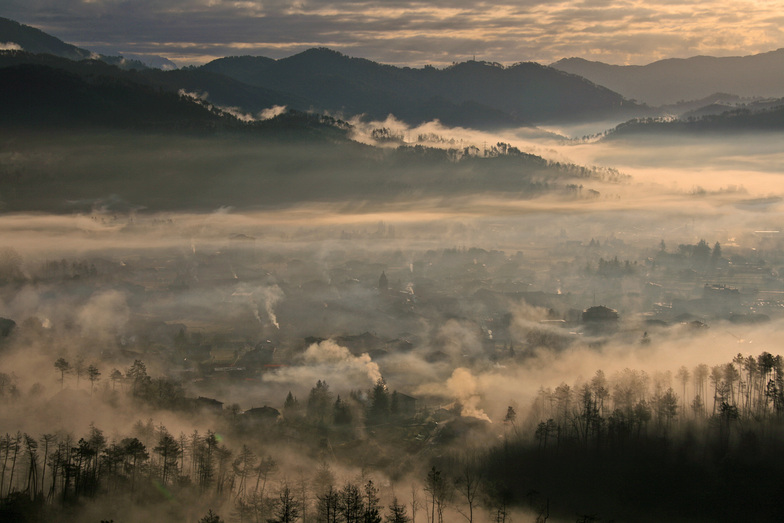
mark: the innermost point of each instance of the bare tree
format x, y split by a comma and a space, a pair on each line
436, 487
243, 466
683, 376
467, 484
31, 448
47, 440
414, 503
13, 445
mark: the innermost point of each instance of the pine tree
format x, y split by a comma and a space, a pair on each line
397, 513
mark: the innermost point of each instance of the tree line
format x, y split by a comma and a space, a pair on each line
42, 474
748, 391
700, 444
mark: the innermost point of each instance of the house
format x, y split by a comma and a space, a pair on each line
262, 415
600, 313
208, 404
404, 404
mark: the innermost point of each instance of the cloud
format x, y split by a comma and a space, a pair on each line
272, 112
10, 46
415, 33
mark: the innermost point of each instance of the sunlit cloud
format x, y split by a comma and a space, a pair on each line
415, 33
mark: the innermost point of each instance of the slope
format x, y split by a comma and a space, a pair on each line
669, 81
523, 93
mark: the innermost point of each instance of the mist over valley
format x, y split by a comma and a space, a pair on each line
321, 288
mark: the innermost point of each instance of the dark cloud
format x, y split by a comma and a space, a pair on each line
392, 32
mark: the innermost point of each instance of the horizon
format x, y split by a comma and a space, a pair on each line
472, 58
410, 34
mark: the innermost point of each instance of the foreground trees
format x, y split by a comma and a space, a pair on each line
710, 433
633, 404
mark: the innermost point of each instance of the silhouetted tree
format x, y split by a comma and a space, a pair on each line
79, 369
115, 376
169, 451
327, 504
137, 374
291, 407
287, 507
397, 513
63, 366
135, 454
350, 503
319, 402
342, 413
211, 517
436, 488
243, 466
467, 484
700, 375
379, 402
372, 510
93, 374
683, 376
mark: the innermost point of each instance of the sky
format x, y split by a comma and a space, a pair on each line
413, 33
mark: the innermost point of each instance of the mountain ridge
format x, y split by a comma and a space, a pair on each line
671, 80
525, 93
470, 94
33, 40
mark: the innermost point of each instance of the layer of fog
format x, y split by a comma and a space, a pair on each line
191, 244
240, 278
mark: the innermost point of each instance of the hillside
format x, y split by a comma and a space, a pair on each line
706, 122
470, 94
525, 93
291, 159
37, 97
672, 80
22, 37
221, 90
35, 41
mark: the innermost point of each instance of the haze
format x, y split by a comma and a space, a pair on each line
217, 305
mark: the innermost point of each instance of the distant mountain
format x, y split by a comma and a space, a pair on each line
153, 61
472, 94
703, 104
221, 90
33, 40
672, 80
16, 36
37, 96
765, 118
246, 69
47, 93
488, 94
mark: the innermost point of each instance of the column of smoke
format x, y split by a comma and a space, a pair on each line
266, 297
333, 363
464, 387
270, 297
